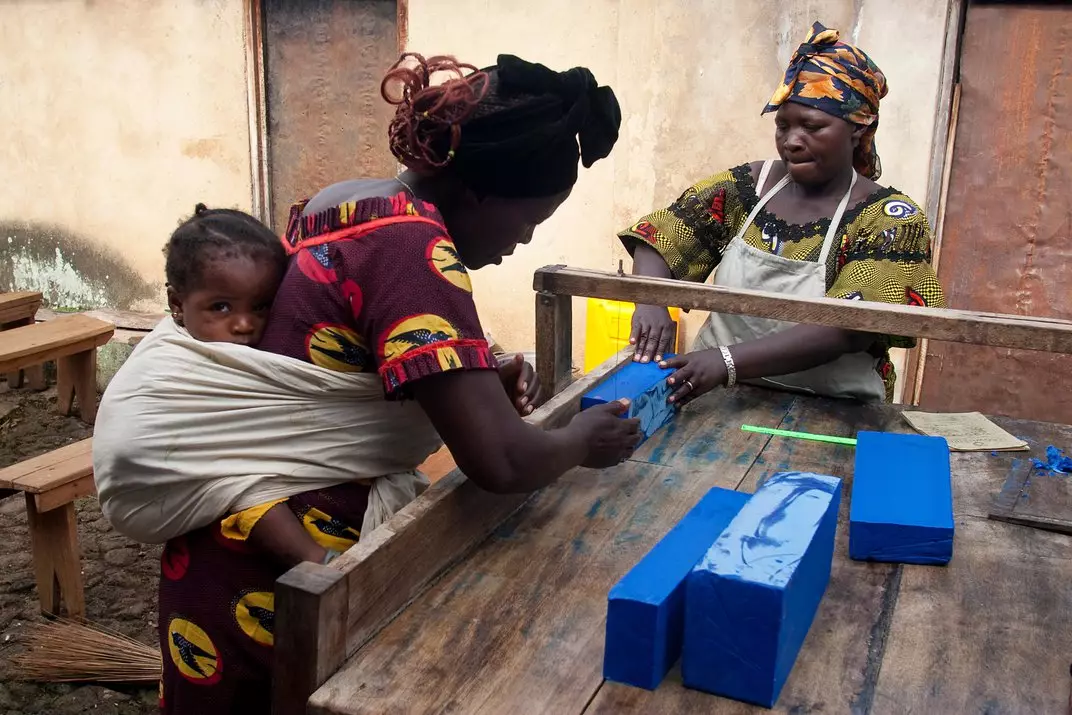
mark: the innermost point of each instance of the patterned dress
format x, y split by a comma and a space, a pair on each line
395, 300
884, 251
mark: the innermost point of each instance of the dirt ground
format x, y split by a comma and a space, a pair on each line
119, 575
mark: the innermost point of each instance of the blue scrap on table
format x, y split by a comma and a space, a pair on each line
644, 385
1056, 461
751, 599
646, 609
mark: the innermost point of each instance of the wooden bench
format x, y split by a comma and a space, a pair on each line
70, 340
51, 483
16, 310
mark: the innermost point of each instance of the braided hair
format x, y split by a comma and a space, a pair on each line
513, 130
217, 233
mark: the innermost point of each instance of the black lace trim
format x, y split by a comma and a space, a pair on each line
794, 232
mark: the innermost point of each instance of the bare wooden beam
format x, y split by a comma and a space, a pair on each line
554, 341
393, 565
310, 634
959, 326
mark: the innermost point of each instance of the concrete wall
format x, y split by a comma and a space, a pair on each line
692, 77
118, 117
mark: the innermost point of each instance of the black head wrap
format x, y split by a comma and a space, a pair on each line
526, 136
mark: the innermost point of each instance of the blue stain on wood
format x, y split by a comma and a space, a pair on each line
751, 599
646, 609
902, 500
644, 385
594, 509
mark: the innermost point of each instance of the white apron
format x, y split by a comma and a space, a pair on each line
744, 266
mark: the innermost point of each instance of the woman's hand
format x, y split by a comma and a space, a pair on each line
652, 334
521, 383
609, 438
696, 373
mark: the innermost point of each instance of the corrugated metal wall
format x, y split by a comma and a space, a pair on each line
1007, 244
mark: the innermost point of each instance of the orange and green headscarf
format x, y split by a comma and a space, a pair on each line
839, 79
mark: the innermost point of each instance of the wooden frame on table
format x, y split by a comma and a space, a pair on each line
324, 614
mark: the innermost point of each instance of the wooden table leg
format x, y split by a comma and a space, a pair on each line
76, 377
56, 558
14, 379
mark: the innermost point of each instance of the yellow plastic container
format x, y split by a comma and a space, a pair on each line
607, 328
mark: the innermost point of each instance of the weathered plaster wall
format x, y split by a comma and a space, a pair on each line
118, 117
692, 76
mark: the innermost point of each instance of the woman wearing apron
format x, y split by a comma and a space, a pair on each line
813, 223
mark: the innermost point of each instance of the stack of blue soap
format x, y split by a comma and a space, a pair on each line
644, 385
902, 500
733, 589
646, 609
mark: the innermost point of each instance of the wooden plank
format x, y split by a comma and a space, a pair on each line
1034, 498
310, 637
35, 344
554, 341
979, 476
14, 477
849, 629
121, 319
19, 305
987, 633
387, 569
1010, 331
56, 559
65, 494
519, 624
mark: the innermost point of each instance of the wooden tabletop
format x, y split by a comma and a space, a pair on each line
517, 627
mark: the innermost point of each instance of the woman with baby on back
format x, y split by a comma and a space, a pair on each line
369, 355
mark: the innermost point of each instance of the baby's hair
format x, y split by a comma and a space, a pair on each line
216, 233
426, 128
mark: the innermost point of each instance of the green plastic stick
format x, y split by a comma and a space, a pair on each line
800, 435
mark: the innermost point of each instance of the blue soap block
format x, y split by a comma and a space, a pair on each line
751, 599
646, 609
644, 385
902, 500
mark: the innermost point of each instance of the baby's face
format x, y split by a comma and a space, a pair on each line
231, 301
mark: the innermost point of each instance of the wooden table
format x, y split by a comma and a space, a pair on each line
517, 626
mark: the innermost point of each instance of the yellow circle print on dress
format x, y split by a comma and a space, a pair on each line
415, 332
329, 532
443, 260
193, 652
255, 614
337, 347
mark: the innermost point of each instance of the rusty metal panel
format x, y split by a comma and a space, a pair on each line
324, 60
1007, 243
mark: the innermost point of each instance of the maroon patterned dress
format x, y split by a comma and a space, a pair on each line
373, 284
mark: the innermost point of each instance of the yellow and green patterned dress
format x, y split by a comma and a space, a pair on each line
884, 251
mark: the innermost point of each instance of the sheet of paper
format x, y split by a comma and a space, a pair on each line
965, 431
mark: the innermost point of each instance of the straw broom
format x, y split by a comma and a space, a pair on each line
65, 651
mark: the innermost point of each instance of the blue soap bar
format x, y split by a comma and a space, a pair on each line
751, 599
902, 500
646, 609
644, 385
